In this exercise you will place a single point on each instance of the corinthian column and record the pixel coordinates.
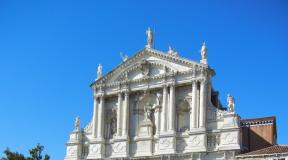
(172, 109)
(119, 128)
(94, 120)
(125, 115)
(164, 110)
(203, 103)
(100, 128)
(193, 114)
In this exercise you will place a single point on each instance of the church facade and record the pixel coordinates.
(157, 105)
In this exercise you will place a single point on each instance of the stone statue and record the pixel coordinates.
(113, 122)
(99, 71)
(172, 52)
(231, 103)
(147, 112)
(77, 124)
(150, 38)
(124, 57)
(204, 51)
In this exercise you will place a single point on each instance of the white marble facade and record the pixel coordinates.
(156, 105)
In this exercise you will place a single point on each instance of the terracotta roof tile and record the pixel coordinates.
(269, 150)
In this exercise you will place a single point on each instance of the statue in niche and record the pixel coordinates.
(231, 103)
(148, 112)
(183, 115)
(111, 123)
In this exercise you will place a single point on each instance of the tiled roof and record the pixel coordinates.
(257, 121)
(269, 150)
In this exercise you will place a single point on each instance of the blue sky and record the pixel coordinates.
(49, 52)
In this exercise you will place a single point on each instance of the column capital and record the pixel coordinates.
(100, 95)
(194, 82)
(203, 80)
(165, 85)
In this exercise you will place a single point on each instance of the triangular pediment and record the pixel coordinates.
(148, 63)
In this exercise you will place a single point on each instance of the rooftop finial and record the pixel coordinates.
(99, 71)
(77, 124)
(150, 38)
(204, 53)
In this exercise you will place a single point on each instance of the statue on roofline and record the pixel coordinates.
(99, 71)
(77, 124)
(150, 38)
(204, 54)
(231, 103)
(124, 57)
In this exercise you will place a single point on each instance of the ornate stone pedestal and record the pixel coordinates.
(120, 147)
(74, 146)
(167, 144)
(197, 142)
(96, 149)
(144, 140)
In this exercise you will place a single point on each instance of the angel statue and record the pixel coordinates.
(124, 57)
(231, 103)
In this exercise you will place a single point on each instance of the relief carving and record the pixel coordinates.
(71, 151)
(195, 140)
(166, 142)
(95, 148)
(119, 147)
